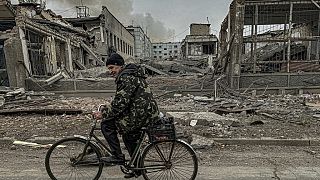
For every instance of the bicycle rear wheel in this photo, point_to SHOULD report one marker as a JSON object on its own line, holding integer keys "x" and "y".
{"x": 168, "y": 160}
{"x": 66, "y": 159}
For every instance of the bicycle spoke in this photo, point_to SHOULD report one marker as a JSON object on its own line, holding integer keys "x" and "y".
{"x": 181, "y": 164}
{"x": 65, "y": 162}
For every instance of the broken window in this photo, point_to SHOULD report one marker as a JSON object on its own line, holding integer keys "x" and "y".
{"x": 4, "y": 81}
{"x": 207, "y": 49}
{"x": 36, "y": 53}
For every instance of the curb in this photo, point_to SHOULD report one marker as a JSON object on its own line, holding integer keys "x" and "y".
{"x": 225, "y": 141}
{"x": 269, "y": 142}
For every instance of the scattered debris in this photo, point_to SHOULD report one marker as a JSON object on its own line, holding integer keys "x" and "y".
{"x": 34, "y": 145}
{"x": 258, "y": 122}
{"x": 200, "y": 142}
{"x": 193, "y": 122}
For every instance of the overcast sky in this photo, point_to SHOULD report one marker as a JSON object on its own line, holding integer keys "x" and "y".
{"x": 164, "y": 20}
{"x": 179, "y": 14}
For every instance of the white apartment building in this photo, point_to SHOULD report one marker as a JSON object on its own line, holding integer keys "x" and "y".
{"x": 166, "y": 51}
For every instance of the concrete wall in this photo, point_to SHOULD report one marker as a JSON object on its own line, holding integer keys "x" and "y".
{"x": 14, "y": 60}
{"x": 71, "y": 85}
{"x": 199, "y": 29}
{"x": 119, "y": 36}
{"x": 195, "y": 46}
{"x": 142, "y": 43}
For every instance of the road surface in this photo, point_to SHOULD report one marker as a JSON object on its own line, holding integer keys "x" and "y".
{"x": 219, "y": 163}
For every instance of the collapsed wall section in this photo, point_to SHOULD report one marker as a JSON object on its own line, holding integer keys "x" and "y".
{"x": 271, "y": 45}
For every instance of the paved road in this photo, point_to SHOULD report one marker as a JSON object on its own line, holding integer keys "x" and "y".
{"x": 228, "y": 163}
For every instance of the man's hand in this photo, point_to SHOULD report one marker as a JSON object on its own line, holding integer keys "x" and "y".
{"x": 97, "y": 114}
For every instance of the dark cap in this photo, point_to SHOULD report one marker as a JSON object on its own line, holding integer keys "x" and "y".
{"x": 115, "y": 59}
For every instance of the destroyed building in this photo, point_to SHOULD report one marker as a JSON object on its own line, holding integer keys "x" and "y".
{"x": 200, "y": 43}
{"x": 271, "y": 46}
{"x": 39, "y": 47}
{"x": 142, "y": 43}
{"x": 38, "y": 43}
{"x": 107, "y": 33}
{"x": 166, "y": 50}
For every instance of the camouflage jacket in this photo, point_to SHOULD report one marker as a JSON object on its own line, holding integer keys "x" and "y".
{"x": 133, "y": 105}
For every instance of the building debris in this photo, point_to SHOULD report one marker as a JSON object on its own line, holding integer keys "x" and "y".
{"x": 57, "y": 77}
{"x": 35, "y": 145}
{"x": 154, "y": 70}
{"x": 200, "y": 142}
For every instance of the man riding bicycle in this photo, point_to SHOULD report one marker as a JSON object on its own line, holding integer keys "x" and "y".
{"x": 132, "y": 108}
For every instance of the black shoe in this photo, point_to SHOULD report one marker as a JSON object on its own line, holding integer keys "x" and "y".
{"x": 133, "y": 174}
{"x": 114, "y": 159}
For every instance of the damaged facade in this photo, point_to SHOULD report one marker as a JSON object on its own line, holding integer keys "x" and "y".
{"x": 200, "y": 43}
{"x": 271, "y": 46}
{"x": 142, "y": 43}
{"x": 37, "y": 43}
{"x": 106, "y": 34}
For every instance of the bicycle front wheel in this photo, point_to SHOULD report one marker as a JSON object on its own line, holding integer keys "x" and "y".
{"x": 168, "y": 160}
{"x": 69, "y": 159}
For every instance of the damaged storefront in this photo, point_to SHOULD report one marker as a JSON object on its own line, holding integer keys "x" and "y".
{"x": 200, "y": 43}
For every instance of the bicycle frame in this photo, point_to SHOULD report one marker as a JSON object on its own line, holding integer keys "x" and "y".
{"x": 92, "y": 138}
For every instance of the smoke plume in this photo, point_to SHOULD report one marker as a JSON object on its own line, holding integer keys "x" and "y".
{"x": 122, "y": 10}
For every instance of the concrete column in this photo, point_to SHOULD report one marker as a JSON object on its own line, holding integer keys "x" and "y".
{"x": 256, "y": 18}
{"x": 50, "y": 51}
{"x": 289, "y": 38}
{"x": 236, "y": 53}
{"x": 17, "y": 72}
{"x": 53, "y": 54}
{"x": 68, "y": 56}
{"x": 318, "y": 42}
{"x": 25, "y": 53}
{"x": 187, "y": 49}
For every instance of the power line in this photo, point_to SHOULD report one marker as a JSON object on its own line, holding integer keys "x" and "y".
{"x": 175, "y": 35}
{"x": 64, "y": 11}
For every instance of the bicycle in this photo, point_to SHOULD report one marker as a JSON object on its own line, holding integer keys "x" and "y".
{"x": 164, "y": 156}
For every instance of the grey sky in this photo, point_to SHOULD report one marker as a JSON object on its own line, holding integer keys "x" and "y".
{"x": 165, "y": 20}
{"x": 179, "y": 14}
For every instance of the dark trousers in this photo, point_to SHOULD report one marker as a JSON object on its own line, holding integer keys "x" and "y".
{"x": 130, "y": 139}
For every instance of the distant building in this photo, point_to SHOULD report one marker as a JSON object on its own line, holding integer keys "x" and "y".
{"x": 142, "y": 43}
{"x": 166, "y": 51}
{"x": 200, "y": 42}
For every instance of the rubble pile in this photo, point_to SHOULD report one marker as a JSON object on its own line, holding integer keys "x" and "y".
{"x": 19, "y": 101}
{"x": 255, "y": 117}
{"x": 224, "y": 117}
{"x": 178, "y": 67}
